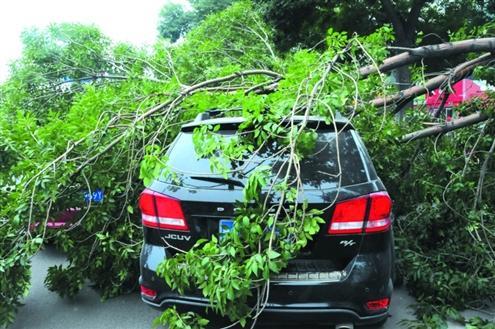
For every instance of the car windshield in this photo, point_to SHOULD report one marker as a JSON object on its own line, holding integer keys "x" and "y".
{"x": 320, "y": 169}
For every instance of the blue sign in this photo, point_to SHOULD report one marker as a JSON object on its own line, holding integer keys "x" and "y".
{"x": 226, "y": 225}
{"x": 95, "y": 197}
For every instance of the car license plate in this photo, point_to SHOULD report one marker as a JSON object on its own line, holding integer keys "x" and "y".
{"x": 225, "y": 226}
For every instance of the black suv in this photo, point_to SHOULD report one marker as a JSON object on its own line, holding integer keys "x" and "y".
{"x": 342, "y": 278}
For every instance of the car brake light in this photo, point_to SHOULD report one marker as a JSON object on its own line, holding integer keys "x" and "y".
{"x": 377, "y": 305}
{"x": 161, "y": 211}
{"x": 379, "y": 217}
{"x": 148, "y": 292}
{"x": 350, "y": 216}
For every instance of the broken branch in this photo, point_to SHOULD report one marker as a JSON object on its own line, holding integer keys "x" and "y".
{"x": 455, "y": 75}
{"x": 439, "y": 50}
{"x": 442, "y": 129}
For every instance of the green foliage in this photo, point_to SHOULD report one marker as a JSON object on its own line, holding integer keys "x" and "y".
{"x": 55, "y": 64}
{"x": 305, "y": 23}
{"x": 478, "y": 31}
{"x": 113, "y": 133}
{"x": 176, "y": 20}
{"x": 301, "y": 23}
{"x": 232, "y": 269}
{"x": 152, "y": 164}
{"x": 227, "y": 270}
{"x": 14, "y": 269}
{"x": 443, "y": 227}
{"x": 478, "y": 323}
{"x": 67, "y": 282}
{"x": 204, "y": 8}
{"x": 224, "y": 43}
{"x": 104, "y": 245}
{"x": 177, "y": 320}
{"x": 87, "y": 136}
{"x": 449, "y": 260}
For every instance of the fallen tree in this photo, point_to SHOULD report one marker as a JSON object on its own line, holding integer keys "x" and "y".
{"x": 115, "y": 137}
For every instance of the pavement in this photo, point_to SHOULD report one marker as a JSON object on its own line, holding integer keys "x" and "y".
{"x": 46, "y": 310}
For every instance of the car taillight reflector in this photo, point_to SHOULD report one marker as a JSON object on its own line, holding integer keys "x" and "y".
{"x": 161, "y": 211}
{"x": 350, "y": 216}
{"x": 378, "y": 305}
{"x": 148, "y": 292}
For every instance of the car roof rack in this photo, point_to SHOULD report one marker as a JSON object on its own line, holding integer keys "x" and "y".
{"x": 220, "y": 113}
{"x": 217, "y": 117}
{"x": 214, "y": 113}
{"x": 210, "y": 114}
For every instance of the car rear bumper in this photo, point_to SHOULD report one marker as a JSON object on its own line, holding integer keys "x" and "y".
{"x": 337, "y": 299}
{"x": 273, "y": 314}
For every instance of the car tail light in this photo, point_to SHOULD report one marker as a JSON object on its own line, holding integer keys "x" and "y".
{"x": 379, "y": 216}
{"x": 161, "y": 211}
{"x": 350, "y": 216}
{"x": 378, "y": 305}
{"x": 148, "y": 292}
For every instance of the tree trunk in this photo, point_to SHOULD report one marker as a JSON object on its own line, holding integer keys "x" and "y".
{"x": 402, "y": 76}
{"x": 405, "y": 33}
{"x": 403, "y": 79}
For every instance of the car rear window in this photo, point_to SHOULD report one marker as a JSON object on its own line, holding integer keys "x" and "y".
{"x": 319, "y": 169}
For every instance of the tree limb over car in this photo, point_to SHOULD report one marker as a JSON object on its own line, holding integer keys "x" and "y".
{"x": 456, "y": 74}
{"x": 442, "y": 129}
{"x": 414, "y": 55}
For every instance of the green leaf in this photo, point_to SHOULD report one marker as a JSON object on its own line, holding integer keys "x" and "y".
{"x": 272, "y": 254}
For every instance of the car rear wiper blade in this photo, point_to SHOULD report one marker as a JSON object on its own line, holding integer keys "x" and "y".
{"x": 228, "y": 181}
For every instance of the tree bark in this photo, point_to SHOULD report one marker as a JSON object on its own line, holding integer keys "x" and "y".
{"x": 396, "y": 19}
{"x": 442, "y": 129}
{"x": 405, "y": 32}
{"x": 403, "y": 79}
{"x": 413, "y": 18}
{"x": 432, "y": 51}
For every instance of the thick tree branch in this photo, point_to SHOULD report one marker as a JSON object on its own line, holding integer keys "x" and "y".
{"x": 233, "y": 76}
{"x": 455, "y": 75}
{"x": 440, "y": 109}
{"x": 442, "y": 129}
{"x": 440, "y": 50}
{"x": 208, "y": 85}
{"x": 91, "y": 78}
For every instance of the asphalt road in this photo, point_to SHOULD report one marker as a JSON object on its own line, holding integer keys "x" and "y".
{"x": 46, "y": 310}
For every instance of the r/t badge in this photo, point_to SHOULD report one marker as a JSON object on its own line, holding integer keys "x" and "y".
{"x": 347, "y": 243}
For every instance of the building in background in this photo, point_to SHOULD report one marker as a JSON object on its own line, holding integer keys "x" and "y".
{"x": 459, "y": 92}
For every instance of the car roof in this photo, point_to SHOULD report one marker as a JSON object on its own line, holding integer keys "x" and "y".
{"x": 233, "y": 122}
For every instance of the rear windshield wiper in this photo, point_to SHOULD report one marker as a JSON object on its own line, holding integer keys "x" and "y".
{"x": 228, "y": 181}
